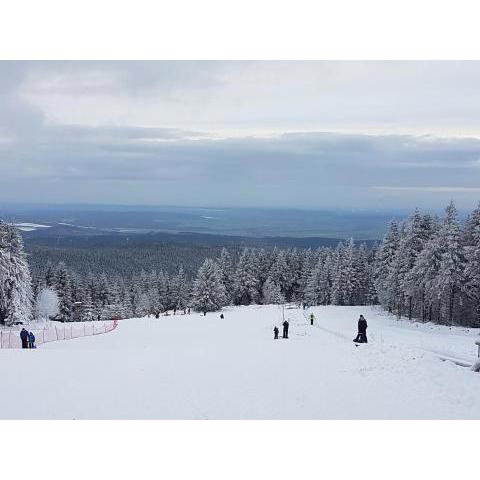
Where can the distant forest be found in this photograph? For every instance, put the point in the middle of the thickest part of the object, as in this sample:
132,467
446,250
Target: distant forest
426,267
128,255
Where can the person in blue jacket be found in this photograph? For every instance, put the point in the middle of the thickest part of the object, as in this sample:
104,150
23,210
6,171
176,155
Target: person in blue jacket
24,338
31,340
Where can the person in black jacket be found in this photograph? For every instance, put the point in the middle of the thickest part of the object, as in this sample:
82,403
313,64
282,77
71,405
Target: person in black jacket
275,333
24,338
285,328
362,331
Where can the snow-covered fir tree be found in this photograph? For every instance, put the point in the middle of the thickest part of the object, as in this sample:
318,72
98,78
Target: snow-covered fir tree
383,265
181,289
246,283
63,287
272,293
16,295
46,305
472,267
208,290
450,277
225,266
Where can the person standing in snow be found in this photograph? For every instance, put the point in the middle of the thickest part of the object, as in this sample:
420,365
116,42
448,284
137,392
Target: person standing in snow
24,338
31,340
312,318
275,333
285,329
362,331
222,316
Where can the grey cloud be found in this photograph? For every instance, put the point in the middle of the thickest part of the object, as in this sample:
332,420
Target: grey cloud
289,169
160,132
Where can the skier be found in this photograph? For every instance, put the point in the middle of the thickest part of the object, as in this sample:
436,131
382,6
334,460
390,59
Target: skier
221,316
204,313
174,311
24,338
362,331
31,340
189,311
275,333
285,329
312,318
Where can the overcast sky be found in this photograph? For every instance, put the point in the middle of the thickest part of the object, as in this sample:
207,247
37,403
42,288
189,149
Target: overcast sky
285,134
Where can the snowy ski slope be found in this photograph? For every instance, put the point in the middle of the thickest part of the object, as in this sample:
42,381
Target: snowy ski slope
195,367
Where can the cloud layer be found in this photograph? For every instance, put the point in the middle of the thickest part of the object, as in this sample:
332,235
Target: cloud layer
303,134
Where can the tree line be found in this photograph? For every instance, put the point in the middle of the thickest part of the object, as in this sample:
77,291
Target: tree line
426,268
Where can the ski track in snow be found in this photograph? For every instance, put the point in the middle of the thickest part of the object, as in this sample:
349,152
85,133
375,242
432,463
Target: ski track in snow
195,367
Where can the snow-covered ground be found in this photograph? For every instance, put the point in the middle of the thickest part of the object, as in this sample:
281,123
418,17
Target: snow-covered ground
30,227
195,367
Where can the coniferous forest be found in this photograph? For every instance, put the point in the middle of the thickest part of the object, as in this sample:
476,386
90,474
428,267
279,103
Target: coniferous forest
426,268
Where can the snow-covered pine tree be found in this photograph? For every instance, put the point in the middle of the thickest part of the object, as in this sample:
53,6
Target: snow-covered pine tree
362,276
63,287
344,281
450,276
317,291
280,273
471,243
246,283
264,260
164,290
143,306
397,271
208,290
50,276
181,290
225,267
272,293
418,230
16,297
46,305
306,268
383,262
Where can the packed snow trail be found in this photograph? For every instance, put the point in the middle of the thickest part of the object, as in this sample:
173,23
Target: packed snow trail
448,343
195,367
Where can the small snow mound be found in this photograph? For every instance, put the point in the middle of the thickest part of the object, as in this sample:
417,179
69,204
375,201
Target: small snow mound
476,366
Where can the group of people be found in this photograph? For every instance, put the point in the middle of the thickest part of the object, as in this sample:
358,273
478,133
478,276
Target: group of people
27,338
175,310
360,338
285,330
